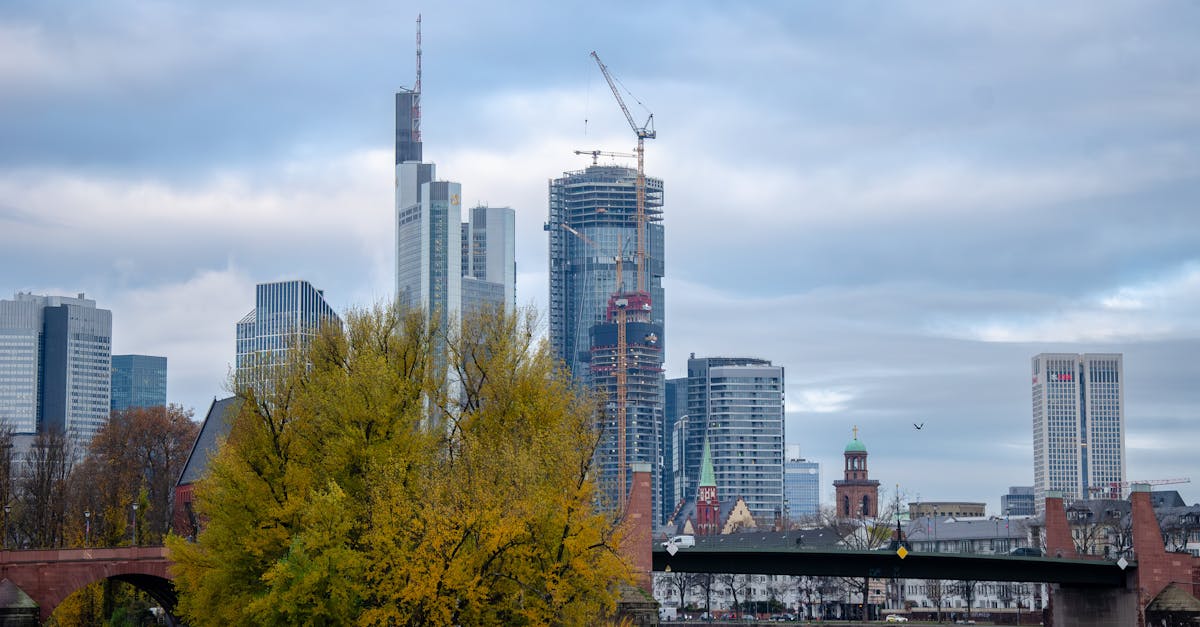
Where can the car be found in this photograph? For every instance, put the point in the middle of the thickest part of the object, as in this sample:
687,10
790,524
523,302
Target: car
681,542
1026,551
895,618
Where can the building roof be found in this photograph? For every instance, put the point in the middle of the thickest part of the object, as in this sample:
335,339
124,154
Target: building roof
212,431
855,446
949,529
707,476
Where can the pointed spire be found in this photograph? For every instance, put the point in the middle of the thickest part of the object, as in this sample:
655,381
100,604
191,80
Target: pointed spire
707,476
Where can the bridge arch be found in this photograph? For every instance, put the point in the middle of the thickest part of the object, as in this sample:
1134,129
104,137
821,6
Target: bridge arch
50,576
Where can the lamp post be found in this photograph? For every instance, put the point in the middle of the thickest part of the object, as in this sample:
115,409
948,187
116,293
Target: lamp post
7,511
87,527
135,508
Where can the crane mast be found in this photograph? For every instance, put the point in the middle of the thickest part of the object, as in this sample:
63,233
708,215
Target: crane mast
644,132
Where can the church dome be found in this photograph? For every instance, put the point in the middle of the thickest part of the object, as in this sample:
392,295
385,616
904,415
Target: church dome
855,446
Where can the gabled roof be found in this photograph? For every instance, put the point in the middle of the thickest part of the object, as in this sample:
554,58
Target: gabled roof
1174,599
213,430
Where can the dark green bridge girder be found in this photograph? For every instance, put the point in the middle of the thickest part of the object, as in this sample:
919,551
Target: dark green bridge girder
887,564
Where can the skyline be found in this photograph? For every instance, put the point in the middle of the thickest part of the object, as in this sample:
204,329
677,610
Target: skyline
901,205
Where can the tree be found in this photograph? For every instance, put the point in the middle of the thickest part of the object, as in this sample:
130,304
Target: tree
734,583
139,450
395,474
966,590
935,589
40,514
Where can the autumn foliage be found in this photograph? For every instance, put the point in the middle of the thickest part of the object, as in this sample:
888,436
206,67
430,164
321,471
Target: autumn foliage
398,475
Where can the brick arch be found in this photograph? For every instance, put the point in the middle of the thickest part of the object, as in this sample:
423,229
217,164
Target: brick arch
50,576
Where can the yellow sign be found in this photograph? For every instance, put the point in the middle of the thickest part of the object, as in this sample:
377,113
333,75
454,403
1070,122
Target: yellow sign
454,199
902,552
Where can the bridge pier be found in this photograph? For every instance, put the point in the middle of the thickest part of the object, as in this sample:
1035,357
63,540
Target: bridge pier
1093,607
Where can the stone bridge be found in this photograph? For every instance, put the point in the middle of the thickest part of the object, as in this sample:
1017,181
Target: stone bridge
51,575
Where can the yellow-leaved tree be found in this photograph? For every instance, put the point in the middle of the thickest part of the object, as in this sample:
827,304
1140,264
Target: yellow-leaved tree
395,474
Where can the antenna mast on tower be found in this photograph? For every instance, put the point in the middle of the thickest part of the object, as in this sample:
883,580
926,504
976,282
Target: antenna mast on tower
416,106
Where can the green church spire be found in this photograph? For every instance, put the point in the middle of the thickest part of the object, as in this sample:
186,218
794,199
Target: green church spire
707,476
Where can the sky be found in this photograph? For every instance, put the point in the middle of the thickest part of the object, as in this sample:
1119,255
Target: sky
901,203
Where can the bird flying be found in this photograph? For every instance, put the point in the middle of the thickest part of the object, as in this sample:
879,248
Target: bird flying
918,427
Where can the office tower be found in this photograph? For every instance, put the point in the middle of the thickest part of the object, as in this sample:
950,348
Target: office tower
1078,424
286,315
801,484
593,234
736,404
55,365
1018,501
489,259
639,438
138,381
674,427
592,221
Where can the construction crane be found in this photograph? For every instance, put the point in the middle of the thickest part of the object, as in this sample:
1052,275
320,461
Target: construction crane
596,154
622,357
643,132
1114,489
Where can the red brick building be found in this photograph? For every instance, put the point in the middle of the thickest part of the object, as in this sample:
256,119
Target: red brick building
857,494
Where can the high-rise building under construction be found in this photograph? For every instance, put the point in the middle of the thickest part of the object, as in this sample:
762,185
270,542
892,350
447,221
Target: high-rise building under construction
592,229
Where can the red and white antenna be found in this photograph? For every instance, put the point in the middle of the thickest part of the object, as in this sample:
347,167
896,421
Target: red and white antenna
416,101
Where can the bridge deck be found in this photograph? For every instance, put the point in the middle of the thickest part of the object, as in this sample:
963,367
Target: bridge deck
714,558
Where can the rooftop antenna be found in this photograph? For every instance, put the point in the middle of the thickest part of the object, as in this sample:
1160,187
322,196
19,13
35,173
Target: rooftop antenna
416,114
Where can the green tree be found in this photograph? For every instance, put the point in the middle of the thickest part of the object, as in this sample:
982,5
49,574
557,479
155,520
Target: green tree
393,473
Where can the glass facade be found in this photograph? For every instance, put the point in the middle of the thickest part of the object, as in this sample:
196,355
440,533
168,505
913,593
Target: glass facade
285,313
737,404
138,381
801,485
1078,425
55,365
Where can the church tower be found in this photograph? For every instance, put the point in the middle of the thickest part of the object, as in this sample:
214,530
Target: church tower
857,494
708,509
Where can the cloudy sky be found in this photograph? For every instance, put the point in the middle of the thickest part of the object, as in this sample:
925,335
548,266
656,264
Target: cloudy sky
899,202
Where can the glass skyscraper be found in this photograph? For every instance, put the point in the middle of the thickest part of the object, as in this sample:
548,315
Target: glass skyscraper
138,381
55,365
489,259
592,222
1078,425
801,485
286,315
736,403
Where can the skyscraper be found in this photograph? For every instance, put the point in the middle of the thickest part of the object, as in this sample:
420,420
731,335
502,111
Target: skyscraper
286,315
138,381
489,259
596,305
592,221
736,404
1078,424
674,428
801,484
55,365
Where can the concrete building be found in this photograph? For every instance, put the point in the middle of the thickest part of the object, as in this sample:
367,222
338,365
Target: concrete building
489,259
943,509
138,381
856,493
1018,501
639,438
55,365
674,429
801,485
1078,425
286,315
736,404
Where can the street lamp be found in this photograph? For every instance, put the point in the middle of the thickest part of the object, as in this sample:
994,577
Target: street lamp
87,527
7,511
135,508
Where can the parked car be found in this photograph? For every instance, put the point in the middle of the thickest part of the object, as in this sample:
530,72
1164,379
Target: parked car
1026,551
895,618
681,542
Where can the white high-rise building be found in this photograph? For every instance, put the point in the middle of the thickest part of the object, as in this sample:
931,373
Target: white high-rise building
1078,425
55,365
286,315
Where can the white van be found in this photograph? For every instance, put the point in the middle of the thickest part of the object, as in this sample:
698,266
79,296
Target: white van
681,542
